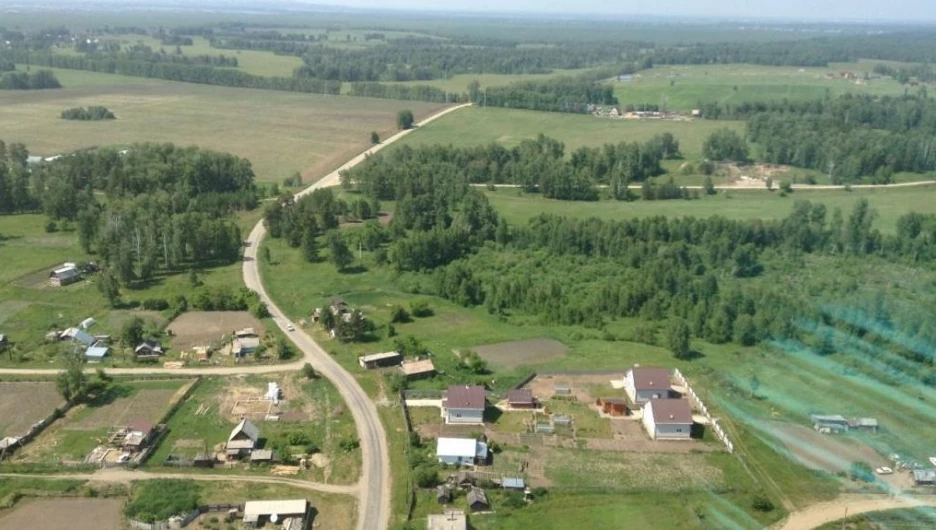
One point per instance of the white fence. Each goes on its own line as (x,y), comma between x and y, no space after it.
(713,421)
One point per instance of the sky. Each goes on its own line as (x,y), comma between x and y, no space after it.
(907,10)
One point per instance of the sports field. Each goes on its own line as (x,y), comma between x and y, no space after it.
(509,127)
(683,87)
(279,132)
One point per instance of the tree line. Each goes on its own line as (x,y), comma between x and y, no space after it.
(88,114)
(538,165)
(38,80)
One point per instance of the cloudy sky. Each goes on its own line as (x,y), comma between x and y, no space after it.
(909,10)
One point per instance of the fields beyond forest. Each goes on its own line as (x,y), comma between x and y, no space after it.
(279,132)
(509,127)
(683,87)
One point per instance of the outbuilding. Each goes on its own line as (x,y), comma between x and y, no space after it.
(380,360)
(148,349)
(96,353)
(461,451)
(417,369)
(258,513)
(612,406)
(477,500)
(521,398)
(65,275)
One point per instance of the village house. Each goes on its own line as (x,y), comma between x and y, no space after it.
(417,369)
(65,275)
(668,419)
(380,360)
(450,520)
(243,346)
(464,404)
(645,383)
(138,434)
(521,398)
(289,513)
(461,451)
(829,423)
(243,439)
(148,349)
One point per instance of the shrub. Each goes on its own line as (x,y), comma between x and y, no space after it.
(349,444)
(308,372)
(160,499)
(155,304)
(426,477)
(398,314)
(762,504)
(420,308)
(514,500)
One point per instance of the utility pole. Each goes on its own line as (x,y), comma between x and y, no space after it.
(845,518)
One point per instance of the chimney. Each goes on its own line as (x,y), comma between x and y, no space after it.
(671,416)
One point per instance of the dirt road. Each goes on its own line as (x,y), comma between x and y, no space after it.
(827,512)
(757,187)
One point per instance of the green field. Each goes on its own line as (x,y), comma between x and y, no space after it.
(459,83)
(279,132)
(683,87)
(509,127)
(518,207)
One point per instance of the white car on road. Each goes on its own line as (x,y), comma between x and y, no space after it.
(290,327)
(884,471)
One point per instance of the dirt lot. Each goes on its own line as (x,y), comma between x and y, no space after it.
(827,452)
(201,328)
(148,403)
(585,388)
(74,514)
(23,404)
(243,397)
(510,355)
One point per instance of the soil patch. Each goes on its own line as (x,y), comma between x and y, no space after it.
(23,404)
(204,328)
(510,355)
(146,403)
(74,514)
(827,452)
(245,398)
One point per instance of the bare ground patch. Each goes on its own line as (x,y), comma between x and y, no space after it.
(56,514)
(513,354)
(244,398)
(656,471)
(202,328)
(147,403)
(828,452)
(23,404)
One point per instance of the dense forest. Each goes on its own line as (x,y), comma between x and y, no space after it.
(850,137)
(88,114)
(563,94)
(538,165)
(166,207)
(715,276)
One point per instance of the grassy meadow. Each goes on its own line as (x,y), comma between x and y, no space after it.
(279,132)
(518,207)
(682,87)
(509,127)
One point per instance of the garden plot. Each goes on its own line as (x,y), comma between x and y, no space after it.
(203,328)
(23,404)
(149,401)
(74,514)
(513,354)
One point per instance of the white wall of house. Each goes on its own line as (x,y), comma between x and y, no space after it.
(463,415)
(456,460)
(648,422)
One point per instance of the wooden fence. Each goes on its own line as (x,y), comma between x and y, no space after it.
(713,421)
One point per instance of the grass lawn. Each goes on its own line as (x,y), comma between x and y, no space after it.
(518,207)
(459,83)
(683,87)
(279,132)
(479,126)
(9,487)
(922,517)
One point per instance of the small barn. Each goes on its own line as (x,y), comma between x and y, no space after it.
(417,369)
(261,456)
(461,451)
(380,360)
(258,513)
(96,353)
(477,500)
(924,477)
(444,494)
(829,423)
(513,483)
(521,398)
(65,275)
(243,346)
(612,406)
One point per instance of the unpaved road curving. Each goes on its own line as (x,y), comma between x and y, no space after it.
(827,512)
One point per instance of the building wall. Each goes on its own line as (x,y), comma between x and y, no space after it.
(646,395)
(629,386)
(648,421)
(464,416)
(673,432)
(455,460)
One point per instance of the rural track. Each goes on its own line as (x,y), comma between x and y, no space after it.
(759,187)
(828,512)
(374,487)
(125,475)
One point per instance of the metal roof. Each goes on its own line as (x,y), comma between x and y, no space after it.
(97,352)
(459,447)
(670,411)
(247,428)
(520,395)
(511,482)
(256,509)
(423,366)
(465,397)
(647,378)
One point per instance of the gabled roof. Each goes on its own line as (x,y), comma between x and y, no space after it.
(149,345)
(458,447)
(510,482)
(648,378)
(79,335)
(247,428)
(96,351)
(477,495)
(465,397)
(520,395)
(141,425)
(423,366)
(670,411)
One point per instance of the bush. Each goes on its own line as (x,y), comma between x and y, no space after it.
(861,471)
(308,372)
(426,477)
(160,499)
(349,444)
(398,314)
(420,308)
(762,504)
(514,500)
(155,304)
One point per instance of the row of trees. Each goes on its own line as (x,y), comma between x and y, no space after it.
(88,114)
(41,79)
(536,165)
(564,94)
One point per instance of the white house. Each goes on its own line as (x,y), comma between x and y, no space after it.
(645,383)
(460,451)
(258,513)
(668,419)
(464,404)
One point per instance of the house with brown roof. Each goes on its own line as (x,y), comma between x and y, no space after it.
(521,398)
(138,434)
(668,419)
(464,404)
(645,383)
